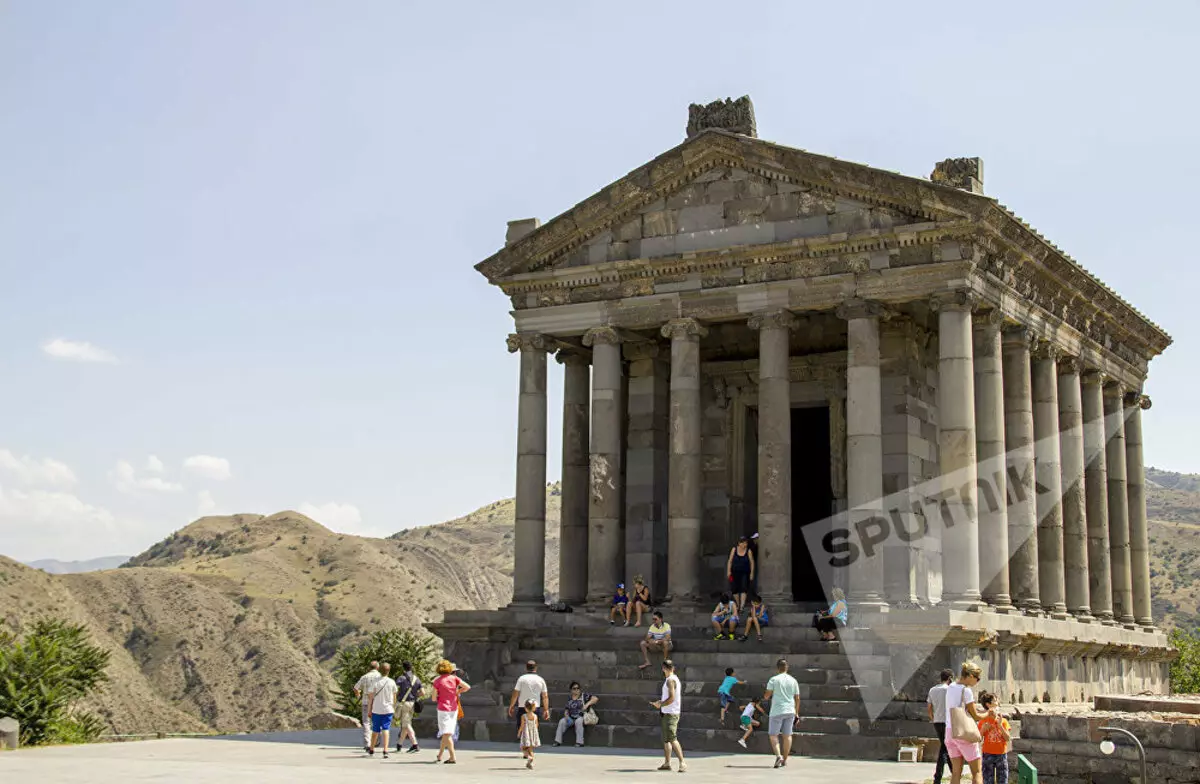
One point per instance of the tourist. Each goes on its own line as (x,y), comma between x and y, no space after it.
(827,622)
(739,570)
(641,600)
(724,615)
(360,692)
(725,691)
(959,695)
(658,638)
(382,695)
(578,704)
(529,686)
(757,617)
(670,706)
(936,704)
(748,721)
(620,606)
(411,690)
(527,732)
(448,686)
(461,674)
(784,693)
(996,734)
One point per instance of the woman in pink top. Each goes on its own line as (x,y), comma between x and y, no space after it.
(447,686)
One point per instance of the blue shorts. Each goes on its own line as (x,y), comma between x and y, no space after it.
(726,699)
(381,722)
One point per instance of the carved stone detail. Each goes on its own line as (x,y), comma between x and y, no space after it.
(601,336)
(1145,402)
(1137,399)
(1070,366)
(530,341)
(683,328)
(964,173)
(1019,334)
(962,299)
(728,115)
(1047,350)
(988,321)
(641,349)
(774,319)
(1115,389)
(861,308)
(1095,377)
(572,357)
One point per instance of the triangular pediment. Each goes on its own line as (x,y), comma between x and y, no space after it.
(719,190)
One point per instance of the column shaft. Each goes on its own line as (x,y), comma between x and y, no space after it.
(1139,531)
(1118,504)
(685,489)
(529,546)
(1018,440)
(774,570)
(1048,471)
(573,524)
(1096,492)
(989,452)
(864,447)
(1074,498)
(604,476)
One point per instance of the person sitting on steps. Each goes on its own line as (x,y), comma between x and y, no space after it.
(827,622)
(756,616)
(724,615)
(658,638)
(620,606)
(641,600)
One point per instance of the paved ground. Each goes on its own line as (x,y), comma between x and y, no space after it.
(332,756)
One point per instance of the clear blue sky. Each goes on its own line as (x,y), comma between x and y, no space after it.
(267,213)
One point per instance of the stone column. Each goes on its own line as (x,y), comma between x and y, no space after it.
(774,569)
(529,546)
(604,476)
(989,452)
(1018,440)
(1096,492)
(685,489)
(1139,532)
(573,523)
(1048,475)
(864,446)
(1118,503)
(956,450)
(1074,495)
(646,464)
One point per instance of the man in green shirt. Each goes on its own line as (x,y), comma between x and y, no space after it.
(784,693)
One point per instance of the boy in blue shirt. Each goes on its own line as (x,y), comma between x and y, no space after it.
(725,691)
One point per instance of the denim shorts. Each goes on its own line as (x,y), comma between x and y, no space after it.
(726,699)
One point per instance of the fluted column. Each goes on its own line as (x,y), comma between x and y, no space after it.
(1096,487)
(1074,498)
(989,452)
(864,445)
(956,449)
(529,545)
(573,523)
(1048,472)
(1139,532)
(1018,440)
(685,489)
(604,475)
(774,456)
(1118,503)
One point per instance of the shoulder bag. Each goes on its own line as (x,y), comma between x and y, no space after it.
(962,726)
(590,718)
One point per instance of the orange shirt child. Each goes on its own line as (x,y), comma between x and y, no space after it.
(994,741)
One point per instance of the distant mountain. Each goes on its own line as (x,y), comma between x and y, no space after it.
(79,567)
(1170,480)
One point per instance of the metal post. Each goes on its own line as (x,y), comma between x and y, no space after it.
(1138,743)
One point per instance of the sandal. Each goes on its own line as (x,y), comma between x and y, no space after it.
(665,766)
(643,666)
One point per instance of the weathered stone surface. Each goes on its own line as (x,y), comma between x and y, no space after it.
(728,115)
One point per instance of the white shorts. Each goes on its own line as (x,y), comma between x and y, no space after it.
(447,722)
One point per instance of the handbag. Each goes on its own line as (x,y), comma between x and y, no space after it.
(590,718)
(962,726)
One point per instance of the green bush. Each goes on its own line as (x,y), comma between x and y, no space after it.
(395,647)
(1185,671)
(44,675)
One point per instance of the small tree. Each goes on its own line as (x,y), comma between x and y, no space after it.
(44,674)
(394,646)
(1185,671)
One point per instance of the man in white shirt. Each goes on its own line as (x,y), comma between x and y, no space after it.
(360,690)
(530,686)
(936,703)
(382,696)
(670,706)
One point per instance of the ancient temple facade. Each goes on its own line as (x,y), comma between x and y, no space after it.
(758,339)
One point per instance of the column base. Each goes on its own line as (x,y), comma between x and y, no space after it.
(1146,622)
(874,604)
(1082,615)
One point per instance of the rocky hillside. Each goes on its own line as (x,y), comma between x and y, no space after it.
(1173,506)
(231,622)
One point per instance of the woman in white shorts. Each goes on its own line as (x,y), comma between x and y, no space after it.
(447,687)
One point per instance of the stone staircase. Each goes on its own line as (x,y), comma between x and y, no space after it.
(834,720)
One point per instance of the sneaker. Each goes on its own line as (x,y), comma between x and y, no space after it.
(371,751)
(385,754)
(367,749)
(611,622)
(729,636)
(683,767)
(719,637)
(556,743)
(779,762)
(742,742)
(579,745)
(413,749)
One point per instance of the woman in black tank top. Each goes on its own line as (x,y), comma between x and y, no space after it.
(739,570)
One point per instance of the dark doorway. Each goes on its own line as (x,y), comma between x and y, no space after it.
(812,499)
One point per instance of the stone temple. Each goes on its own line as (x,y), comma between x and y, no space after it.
(756,338)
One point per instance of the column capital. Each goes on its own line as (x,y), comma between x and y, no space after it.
(1069,366)
(989,321)
(573,357)
(960,299)
(1097,377)
(683,328)
(1019,335)
(862,308)
(1115,389)
(1047,350)
(530,341)
(1145,403)
(601,336)
(772,319)
(1137,400)
(641,349)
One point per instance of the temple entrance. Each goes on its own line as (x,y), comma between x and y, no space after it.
(812,499)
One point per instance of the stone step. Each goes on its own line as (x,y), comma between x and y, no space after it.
(847,709)
(652,687)
(734,656)
(773,646)
(678,631)
(755,677)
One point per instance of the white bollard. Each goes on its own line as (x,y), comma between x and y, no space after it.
(10,733)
